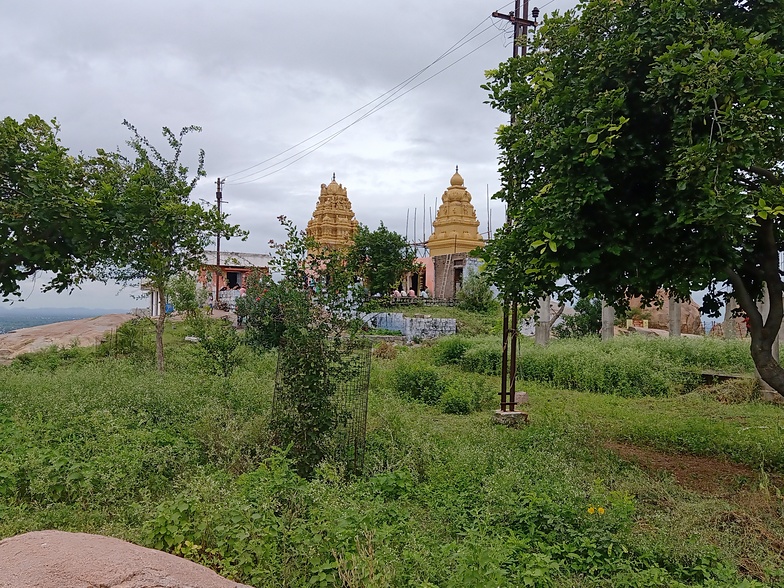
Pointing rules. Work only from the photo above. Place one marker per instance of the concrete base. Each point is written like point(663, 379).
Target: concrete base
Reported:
point(510, 418)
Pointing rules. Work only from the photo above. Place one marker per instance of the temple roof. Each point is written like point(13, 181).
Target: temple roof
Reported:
point(333, 223)
point(455, 229)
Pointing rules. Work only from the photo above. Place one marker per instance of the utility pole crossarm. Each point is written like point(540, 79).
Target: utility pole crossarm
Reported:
point(515, 19)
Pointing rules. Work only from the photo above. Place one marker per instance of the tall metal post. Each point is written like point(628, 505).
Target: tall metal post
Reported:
point(510, 331)
point(219, 199)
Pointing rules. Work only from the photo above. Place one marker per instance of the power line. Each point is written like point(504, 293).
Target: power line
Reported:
point(304, 153)
point(396, 89)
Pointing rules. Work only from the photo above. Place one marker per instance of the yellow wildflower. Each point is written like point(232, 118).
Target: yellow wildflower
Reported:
point(591, 510)
point(600, 510)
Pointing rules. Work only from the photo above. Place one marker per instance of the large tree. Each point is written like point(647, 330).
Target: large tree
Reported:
point(646, 151)
point(54, 215)
point(161, 232)
point(381, 258)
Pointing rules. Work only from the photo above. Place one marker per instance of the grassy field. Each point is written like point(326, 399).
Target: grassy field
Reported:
point(666, 485)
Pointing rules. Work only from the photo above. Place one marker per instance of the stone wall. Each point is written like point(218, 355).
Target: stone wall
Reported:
point(412, 327)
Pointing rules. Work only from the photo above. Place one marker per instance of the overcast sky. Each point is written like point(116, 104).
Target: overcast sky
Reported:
point(261, 77)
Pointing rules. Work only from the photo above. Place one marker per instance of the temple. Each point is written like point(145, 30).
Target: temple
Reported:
point(333, 223)
point(455, 227)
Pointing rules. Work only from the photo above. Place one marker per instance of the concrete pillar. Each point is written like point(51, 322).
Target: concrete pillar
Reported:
point(675, 317)
point(728, 325)
point(542, 334)
point(608, 321)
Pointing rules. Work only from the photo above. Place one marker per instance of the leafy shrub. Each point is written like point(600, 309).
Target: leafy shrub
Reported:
point(450, 350)
point(419, 382)
point(219, 347)
point(483, 359)
point(476, 295)
point(587, 320)
point(457, 400)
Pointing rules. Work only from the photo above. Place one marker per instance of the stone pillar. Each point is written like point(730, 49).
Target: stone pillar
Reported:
point(728, 325)
point(542, 334)
point(675, 317)
point(608, 321)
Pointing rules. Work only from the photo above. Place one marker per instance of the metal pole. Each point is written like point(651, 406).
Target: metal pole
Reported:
point(219, 198)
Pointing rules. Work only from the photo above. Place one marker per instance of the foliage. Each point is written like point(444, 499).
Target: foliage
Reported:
point(419, 381)
point(646, 153)
point(185, 295)
point(163, 233)
point(587, 320)
point(457, 400)
point(220, 348)
point(181, 461)
point(381, 258)
point(310, 316)
point(450, 350)
point(55, 208)
point(476, 295)
point(484, 358)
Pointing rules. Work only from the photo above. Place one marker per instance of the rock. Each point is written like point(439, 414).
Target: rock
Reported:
point(691, 321)
point(56, 559)
point(521, 398)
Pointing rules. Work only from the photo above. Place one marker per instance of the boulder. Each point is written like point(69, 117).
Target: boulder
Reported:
point(56, 559)
point(691, 321)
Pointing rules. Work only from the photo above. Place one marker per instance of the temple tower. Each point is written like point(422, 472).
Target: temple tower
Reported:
point(333, 223)
point(455, 229)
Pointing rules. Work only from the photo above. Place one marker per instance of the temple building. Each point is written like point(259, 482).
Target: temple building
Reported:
point(455, 234)
point(333, 223)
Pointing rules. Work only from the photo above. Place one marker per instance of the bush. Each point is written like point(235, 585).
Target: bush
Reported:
point(476, 295)
point(450, 350)
point(419, 382)
point(587, 320)
point(483, 359)
point(457, 400)
point(219, 347)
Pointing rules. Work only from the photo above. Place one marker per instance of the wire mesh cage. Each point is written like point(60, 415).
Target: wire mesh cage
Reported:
point(328, 419)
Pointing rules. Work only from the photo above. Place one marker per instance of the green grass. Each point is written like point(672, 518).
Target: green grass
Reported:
point(182, 462)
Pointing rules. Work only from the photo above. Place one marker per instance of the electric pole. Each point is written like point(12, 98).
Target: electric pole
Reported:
point(509, 357)
point(219, 199)
point(520, 25)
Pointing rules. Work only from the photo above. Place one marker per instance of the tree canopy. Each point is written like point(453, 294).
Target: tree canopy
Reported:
point(381, 258)
point(53, 213)
point(646, 152)
point(160, 231)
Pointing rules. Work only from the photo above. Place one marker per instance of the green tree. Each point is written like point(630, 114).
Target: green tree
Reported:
point(310, 315)
point(381, 258)
point(585, 322)
point(476, 294)
point(647, 152)
point(162, 232)
point(185, 295)
point(53, 210)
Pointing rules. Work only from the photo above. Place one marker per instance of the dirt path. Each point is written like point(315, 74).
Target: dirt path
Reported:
point(84, 332)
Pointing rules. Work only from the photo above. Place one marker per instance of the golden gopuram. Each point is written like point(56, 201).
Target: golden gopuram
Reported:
point(333, 223)
point(455, 229)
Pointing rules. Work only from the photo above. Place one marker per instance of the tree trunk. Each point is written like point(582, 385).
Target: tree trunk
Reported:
point(764, 328)
point(159, 324)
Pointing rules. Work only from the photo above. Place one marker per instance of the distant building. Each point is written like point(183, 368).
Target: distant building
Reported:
point(230, 275)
